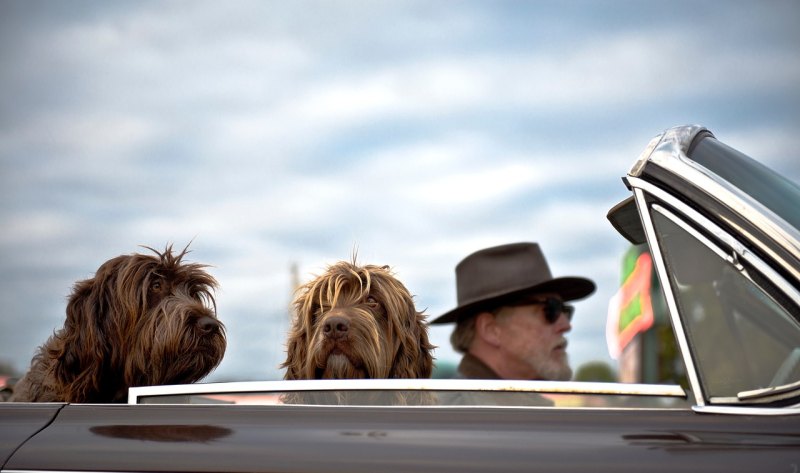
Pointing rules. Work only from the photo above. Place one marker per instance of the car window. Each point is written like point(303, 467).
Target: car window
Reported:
point(740, 336)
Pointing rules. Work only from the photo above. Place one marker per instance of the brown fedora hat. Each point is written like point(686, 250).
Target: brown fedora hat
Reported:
point(507, 273)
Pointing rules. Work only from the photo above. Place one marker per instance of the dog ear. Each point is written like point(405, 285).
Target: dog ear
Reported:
point(88, 337)
point(425, 360)
point(412, 350)
point(298, 339)
point(413, 357)
point(295, 355)
point(76, 360)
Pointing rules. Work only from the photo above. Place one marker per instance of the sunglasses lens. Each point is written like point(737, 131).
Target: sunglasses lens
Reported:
point(553, 308)
point(568, 311)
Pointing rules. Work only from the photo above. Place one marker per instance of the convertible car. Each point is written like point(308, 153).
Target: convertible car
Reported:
point(722, 232)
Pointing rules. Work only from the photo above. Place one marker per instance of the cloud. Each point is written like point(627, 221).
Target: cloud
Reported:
point(272, 135)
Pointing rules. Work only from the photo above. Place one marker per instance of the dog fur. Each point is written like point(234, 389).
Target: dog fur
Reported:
point(357, 322)
point(141, 320)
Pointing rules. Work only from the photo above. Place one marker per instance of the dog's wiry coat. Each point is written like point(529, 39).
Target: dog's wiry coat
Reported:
point(141, 320)
point(357, 322)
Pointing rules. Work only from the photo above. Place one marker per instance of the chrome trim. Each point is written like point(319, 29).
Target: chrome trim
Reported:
point(770, 394)
point(673, 142)
point(670, 154)
point(60, 471)
point(741, 251)
point(669, 295)
point(747, 411)
point(554, 387)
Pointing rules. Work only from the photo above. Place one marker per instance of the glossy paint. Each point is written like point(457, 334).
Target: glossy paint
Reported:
point(396, 439)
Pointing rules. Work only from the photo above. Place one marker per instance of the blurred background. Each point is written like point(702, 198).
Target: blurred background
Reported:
point(280, 137)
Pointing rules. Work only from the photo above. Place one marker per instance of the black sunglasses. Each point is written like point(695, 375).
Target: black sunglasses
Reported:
point(553, 308)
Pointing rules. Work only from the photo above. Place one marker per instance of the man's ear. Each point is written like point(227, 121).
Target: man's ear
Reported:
point(487, 329)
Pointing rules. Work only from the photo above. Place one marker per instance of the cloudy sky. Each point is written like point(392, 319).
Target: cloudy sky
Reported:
point(272, 134)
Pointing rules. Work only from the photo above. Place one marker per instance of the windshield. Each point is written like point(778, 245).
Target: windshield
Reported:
point(755, 337)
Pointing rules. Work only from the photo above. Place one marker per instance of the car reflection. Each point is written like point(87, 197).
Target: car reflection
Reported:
point(163, 433)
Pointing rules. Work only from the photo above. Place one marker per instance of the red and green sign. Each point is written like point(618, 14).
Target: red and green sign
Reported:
point(630, 311)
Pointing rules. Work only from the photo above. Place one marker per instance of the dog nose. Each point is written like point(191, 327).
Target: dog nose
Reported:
point(336, 327)
point(207, 324)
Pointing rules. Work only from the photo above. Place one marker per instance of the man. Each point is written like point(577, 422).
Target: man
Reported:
point(511, 318)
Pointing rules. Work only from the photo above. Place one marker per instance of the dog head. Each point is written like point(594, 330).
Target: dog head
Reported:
point(141, 320)
point(357, 322)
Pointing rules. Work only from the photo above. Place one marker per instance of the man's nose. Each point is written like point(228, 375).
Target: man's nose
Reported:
point(563, 323)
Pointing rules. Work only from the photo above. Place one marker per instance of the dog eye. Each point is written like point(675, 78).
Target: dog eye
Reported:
point(371, 301)
point(155, 286)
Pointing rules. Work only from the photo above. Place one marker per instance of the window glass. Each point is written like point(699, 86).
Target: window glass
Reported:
point(740, 338)
point(424, 398)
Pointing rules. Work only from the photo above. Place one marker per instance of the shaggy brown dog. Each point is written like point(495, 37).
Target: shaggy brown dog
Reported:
point(141, 320)
point(357, 322)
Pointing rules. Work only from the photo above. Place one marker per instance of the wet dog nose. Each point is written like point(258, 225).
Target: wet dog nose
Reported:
point(336, 327)
point(207, 324)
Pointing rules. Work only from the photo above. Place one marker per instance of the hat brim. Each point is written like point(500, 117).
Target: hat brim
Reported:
point(569, 288)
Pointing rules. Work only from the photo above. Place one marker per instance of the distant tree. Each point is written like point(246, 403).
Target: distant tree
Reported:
point(7, 369)
point(596, 371)
point(445, 369)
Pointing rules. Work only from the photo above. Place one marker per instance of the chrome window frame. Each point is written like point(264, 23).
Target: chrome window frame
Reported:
point(423, 384)
point(669, 294)
point(748, 410)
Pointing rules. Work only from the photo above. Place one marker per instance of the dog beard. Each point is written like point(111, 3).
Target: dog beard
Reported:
point(339, 366)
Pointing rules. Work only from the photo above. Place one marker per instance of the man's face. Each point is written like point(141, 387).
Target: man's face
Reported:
point(532, 345)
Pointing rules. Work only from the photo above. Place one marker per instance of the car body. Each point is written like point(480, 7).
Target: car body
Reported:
point(723, 234)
